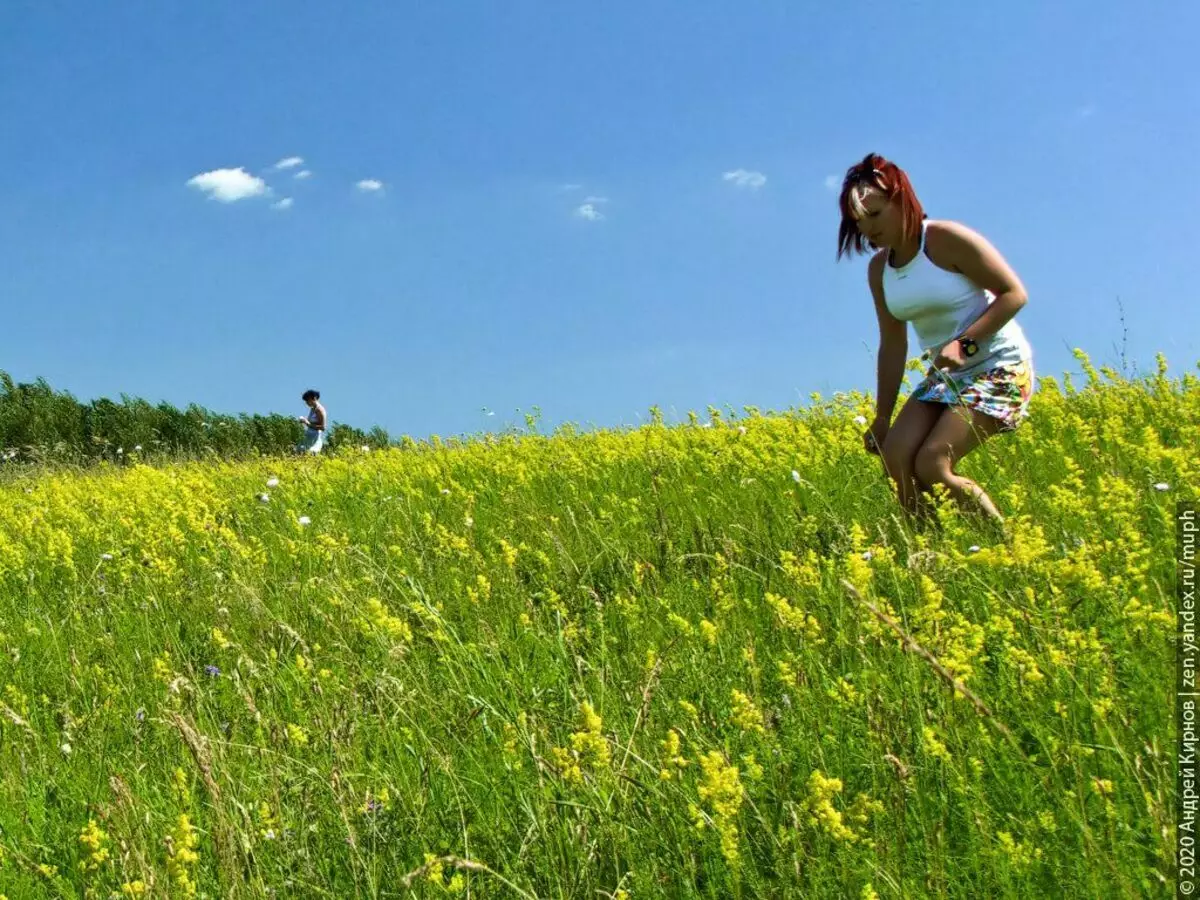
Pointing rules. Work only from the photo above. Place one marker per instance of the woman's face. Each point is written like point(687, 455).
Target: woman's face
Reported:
point(880, 222)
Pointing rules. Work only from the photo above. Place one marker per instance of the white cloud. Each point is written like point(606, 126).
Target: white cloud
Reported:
point(595, 199)
point(302, 174)
point(285, 203)
point(589, 213)
point(570, 187)
point(369, 185)
point(832, 182)
point(1086, 111)
point(289, 162)
point(746, 179)
point(228, 185)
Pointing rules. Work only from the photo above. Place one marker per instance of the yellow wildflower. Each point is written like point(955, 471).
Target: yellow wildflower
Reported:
point(722, 789)
point(95, 841)
point(182, 856)
point(746, 715)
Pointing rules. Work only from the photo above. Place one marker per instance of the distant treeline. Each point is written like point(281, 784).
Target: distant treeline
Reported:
point(40, 423)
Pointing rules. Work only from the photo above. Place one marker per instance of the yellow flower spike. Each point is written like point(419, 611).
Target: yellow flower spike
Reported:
point(182, 856)
point(793, 618)
point(436, 871)
point(934, 746)
point(181, 786)
point(819, 803)
point(589, 743)
point(297, 735)
point(1019, 854)
point(746, 715)
point(721, 788)
point(510, 739)
point(673, 760)
point(95, 842)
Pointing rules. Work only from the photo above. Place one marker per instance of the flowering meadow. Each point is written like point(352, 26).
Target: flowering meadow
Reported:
point(704, 659)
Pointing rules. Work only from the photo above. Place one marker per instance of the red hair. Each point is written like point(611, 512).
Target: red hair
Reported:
point(889, 179)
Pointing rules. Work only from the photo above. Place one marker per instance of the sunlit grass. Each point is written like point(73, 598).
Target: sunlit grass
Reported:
point(615, 664)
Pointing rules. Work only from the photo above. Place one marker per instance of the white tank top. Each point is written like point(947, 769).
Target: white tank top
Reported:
point(941, 305)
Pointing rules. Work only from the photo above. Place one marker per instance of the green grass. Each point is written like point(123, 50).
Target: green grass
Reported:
point(411, 673)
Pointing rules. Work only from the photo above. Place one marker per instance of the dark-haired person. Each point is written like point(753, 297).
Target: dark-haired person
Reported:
point(314, 423)
point(961, 298)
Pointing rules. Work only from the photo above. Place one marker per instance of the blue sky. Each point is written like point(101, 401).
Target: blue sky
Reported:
point(1067, 134)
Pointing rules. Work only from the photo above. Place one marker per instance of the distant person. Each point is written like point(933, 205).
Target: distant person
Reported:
point(961, 298)
point(314, 423)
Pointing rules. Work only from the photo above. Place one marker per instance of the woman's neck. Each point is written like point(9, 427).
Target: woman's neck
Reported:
point(905, 253)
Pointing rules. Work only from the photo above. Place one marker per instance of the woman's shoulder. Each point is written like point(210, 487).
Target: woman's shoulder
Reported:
point(875, 265)
point(946, 239)
point(949, 233)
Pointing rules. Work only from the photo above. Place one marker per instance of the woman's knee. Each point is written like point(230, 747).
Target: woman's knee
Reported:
point(932, 464)
point(897, 459)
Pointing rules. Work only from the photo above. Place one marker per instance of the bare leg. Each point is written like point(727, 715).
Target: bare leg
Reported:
point(958, 431)
point(906, 436)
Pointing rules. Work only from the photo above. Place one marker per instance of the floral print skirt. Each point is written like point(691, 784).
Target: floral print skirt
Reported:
point(1001, 392)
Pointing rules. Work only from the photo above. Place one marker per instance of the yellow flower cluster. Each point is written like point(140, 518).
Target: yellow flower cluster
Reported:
point(720, 789)
point(182, 856)
point(589, 749)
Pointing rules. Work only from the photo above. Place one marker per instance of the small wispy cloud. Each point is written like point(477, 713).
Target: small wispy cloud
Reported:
point(595, 200)
point(289, 162)
point(570, 187)
point(832, 183)
point(1086, 111)
point(589, 213)
point(369, 185)
point(228, 185)
point(285, 203)
point(746, 179)
point(302, 175)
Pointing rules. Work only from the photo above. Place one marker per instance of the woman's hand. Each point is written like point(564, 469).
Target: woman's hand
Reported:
point(950, 357)
point(875, 435)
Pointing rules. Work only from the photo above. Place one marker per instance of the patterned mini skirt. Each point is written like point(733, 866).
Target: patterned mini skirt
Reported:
point(1001, 392)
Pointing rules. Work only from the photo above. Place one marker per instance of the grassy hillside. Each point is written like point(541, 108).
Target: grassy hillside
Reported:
point(648, 663)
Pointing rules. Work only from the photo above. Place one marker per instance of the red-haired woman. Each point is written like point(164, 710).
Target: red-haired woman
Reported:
point(960, 296)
